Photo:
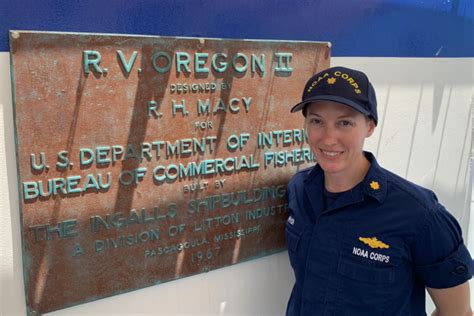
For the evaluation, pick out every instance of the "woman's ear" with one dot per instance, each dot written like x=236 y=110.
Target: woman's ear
x=371 y=127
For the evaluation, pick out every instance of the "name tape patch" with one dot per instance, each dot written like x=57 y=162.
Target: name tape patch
x=291 y=220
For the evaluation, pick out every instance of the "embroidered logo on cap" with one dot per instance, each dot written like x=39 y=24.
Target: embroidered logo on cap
x=374 y=185
x=350 y=80
x=315 y=82
x=331 y=80
x=373 y=242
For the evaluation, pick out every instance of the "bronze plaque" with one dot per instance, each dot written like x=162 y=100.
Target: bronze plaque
x=146 y=159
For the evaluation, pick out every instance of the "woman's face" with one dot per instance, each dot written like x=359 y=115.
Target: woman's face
x=336 y=135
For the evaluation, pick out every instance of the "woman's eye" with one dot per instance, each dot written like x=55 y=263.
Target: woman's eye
x=345 y=123
x=315 y=121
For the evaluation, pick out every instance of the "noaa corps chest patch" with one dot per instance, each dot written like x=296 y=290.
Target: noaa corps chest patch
x=373 y=243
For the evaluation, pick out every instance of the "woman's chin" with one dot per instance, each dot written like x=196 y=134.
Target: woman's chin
x=330 y=167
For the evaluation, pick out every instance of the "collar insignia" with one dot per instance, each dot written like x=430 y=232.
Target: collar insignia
x=373 y=242
x=374 y=185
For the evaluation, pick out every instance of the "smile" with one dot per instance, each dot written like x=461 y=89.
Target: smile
x=331 y=153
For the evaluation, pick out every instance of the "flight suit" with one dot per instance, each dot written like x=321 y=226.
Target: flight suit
x=373 y=250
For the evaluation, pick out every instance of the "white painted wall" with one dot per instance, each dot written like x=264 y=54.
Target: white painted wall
x=424 y=134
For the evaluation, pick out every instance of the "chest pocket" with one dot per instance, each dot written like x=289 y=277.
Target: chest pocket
x=297 y=247
x=292 y=238
x=365 y=285
x=364 y=273
x=368 y=266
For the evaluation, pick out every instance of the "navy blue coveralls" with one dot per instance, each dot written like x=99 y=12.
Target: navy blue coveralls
x=373 y=250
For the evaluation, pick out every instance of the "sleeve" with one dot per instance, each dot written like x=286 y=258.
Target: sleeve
x=441 y=259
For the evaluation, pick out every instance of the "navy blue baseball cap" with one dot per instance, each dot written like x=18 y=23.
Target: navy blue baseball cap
x=344 y=85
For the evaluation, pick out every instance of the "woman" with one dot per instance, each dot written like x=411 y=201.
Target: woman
x=362 y=240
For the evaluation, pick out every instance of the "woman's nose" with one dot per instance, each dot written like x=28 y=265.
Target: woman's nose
x=329 y=136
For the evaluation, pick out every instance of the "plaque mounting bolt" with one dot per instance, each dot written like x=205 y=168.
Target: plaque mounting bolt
x=329 y=44
x=15 y=35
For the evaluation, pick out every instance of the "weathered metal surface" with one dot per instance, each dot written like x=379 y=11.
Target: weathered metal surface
x=146 y=159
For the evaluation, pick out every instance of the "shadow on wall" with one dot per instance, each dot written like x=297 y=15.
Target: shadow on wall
x=441 y=85
x=11 y=278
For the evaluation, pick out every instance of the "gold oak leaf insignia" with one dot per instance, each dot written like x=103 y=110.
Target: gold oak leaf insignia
x=374 y=185
x=331 y=80
x=374 y=242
